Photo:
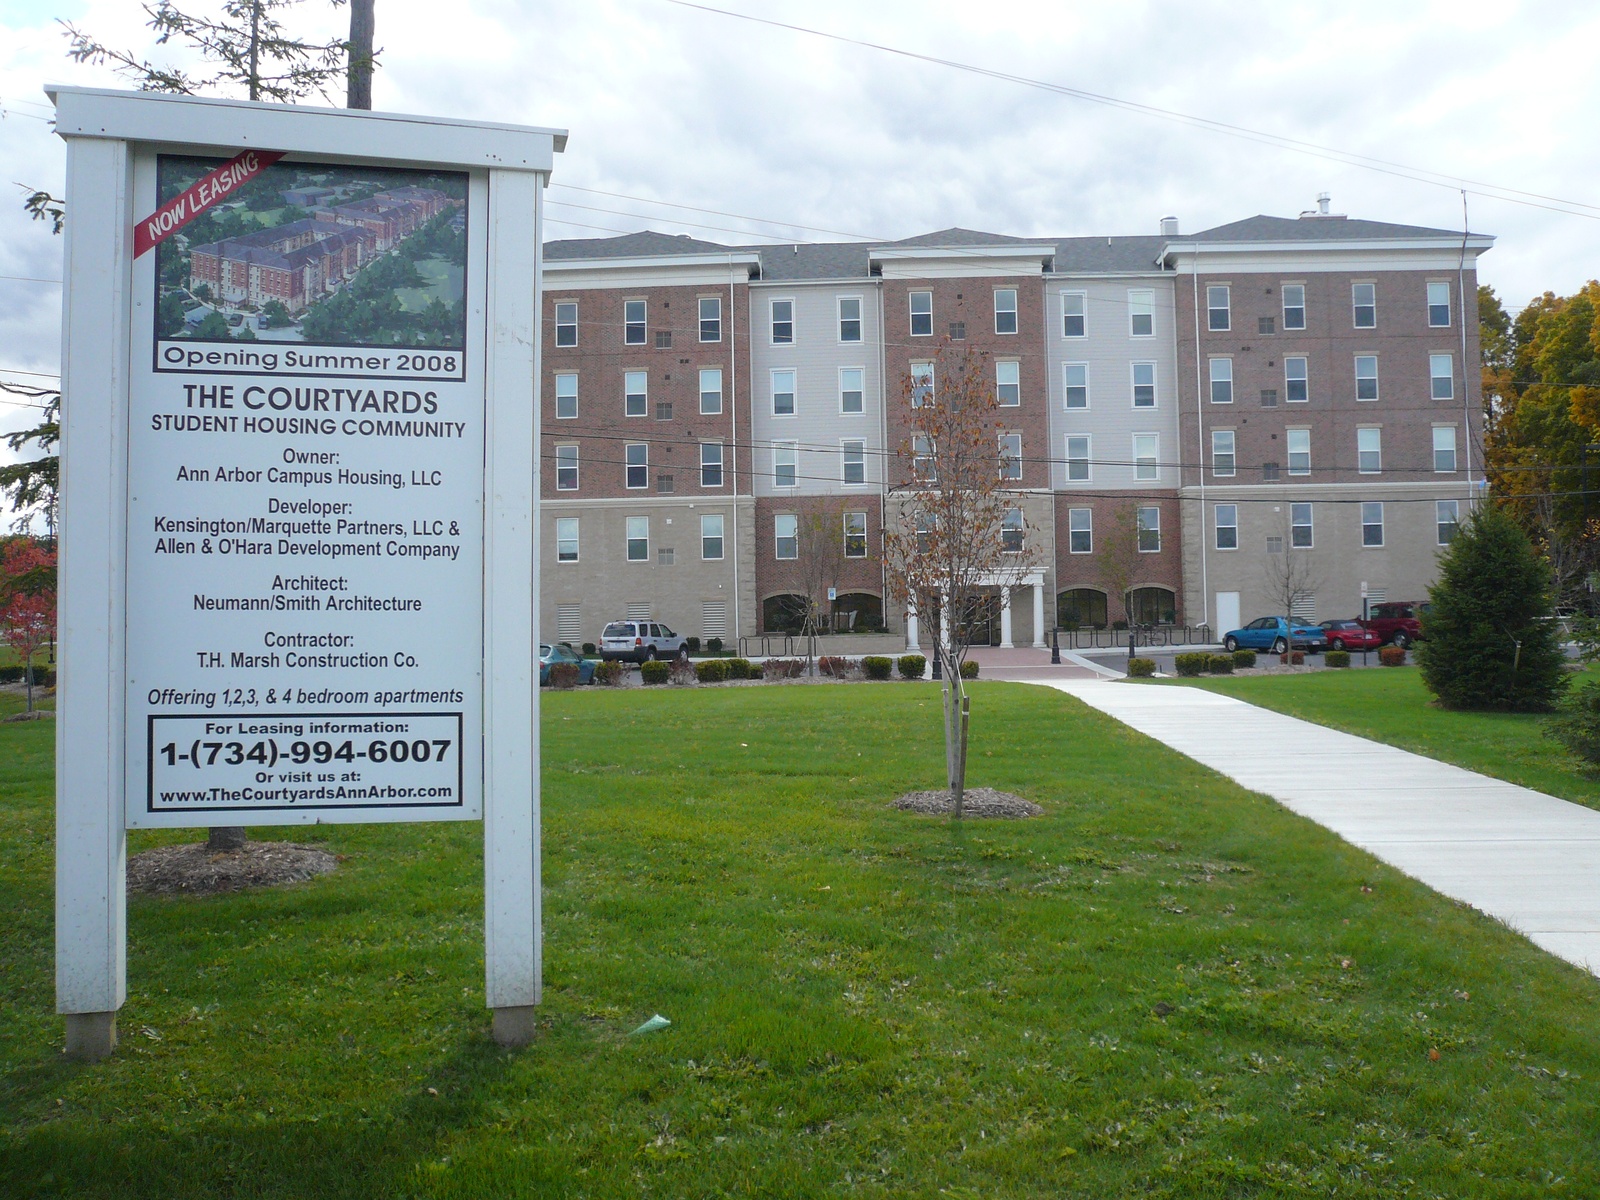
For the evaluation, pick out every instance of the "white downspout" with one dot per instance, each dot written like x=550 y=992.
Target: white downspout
x=1466 y=387
x=733 y=442
x=1200 y=433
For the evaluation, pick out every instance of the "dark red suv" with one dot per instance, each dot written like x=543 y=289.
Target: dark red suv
x=1397 y=621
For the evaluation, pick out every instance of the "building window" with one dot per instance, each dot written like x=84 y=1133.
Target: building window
x=1300 y=526
x=1269 y=397
x=566 y=539
x=1296 y=381
x=1366 y=377
x=1144 y=385
x=786 y=535
x=1294 y=306
x=1080 y=530
x=1447 y=518
x=1371 y=524
x=1005 y=310
x=567 y=324
x=1266 y=325
x=1074 y=316
x=1439 y=307
x=638 y=539
x=1369 y=450
x=710 y=391
x=923 y=467
x=921 y=314
x=1141 y=313
x=633 y=331
x=1077 y=459
x=785 y=465
x=1010 y=456
x=1274 y=543
x=1364 y=305
x=1012 y=531
x=783 y=393
x=710 y=318
x=1269 y=472
x=1144 y=455
x=1227 y=522
x=663 y=339
x=636 y=393
x=566 y=396
x=854 y=453
x=711 y=538
x=1008 y=384
x=566 y=468
x=782 y=322
x=711 y=464
x=921 y=383
x=1222 y=381
x=1441 y=370
x=1444 y=447
x=855 y=535
x=1222 y=458
x=638 y=464
x=1075 y=378
x=852 y=388
x=1218 y=315
x=849 y=318
x=1149 y=524
x=1299 y=444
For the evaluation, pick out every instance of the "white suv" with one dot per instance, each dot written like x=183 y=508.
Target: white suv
x=640 y=641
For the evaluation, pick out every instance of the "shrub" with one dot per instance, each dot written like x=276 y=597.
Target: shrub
x=877 y=666
x=836 y=667
x=1219 y=664
x=681 y=672
x=969 y=669
x=911 y=666
x=588 y=649
x=783 y=668
x=1243 y=660
x=610 y=673
x=1337 y=658
x=1141 y=668
x=654 y=672
x=712 y=670
x=10 y=674
x=693 y=643
x=564 y=675
x=1392 y=656
x=1576 y=724
x=1190 y=665
x=1485 y=645
x=739 y=668
x=714 y=645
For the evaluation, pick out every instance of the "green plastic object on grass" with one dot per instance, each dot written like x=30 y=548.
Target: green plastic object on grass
x=654 y=1023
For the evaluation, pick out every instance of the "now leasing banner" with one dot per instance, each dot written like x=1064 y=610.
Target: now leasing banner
x=305 y=495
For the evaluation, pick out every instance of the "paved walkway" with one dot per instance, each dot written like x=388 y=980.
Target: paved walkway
x=1527 y=859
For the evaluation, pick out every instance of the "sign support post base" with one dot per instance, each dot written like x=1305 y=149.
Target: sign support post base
x=91 y=1036
x=517 y=1026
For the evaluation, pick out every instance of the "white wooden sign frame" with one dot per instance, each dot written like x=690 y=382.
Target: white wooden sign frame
x=103 y=131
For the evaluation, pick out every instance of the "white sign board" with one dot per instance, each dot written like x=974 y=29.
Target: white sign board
x=305 y=484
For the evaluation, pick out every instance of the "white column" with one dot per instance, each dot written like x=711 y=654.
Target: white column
x=1038 y=615
x=1005 y=618
x=911 y=629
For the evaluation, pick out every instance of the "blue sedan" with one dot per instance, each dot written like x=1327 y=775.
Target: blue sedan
x=1274 y=634
x=549 y=656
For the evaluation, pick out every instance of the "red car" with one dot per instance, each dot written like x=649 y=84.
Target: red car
x=1397 y=621
x=1351 y=635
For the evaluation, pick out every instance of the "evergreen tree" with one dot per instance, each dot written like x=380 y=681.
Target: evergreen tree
x=1485 y=644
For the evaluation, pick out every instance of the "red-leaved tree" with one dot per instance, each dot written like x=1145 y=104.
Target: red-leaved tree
x=27 y=600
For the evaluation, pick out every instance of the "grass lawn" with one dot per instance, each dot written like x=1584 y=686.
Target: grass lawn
x=1391 y=705
x=1164 y=987
x=444 y=283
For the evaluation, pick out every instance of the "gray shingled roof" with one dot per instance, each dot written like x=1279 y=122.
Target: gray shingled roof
x=1093 y=255
x=645 y=244
x=1312 y=229
x=957 y=236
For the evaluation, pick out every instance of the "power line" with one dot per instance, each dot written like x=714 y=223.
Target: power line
x=716 y=212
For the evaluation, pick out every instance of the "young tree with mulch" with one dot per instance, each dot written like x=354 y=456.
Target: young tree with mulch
x=1486 y=642
x=955 y=530
x=27 y=601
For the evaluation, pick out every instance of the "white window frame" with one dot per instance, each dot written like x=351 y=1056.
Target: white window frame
x=715 y=319
x=1011 y=456
x=912 y=314
x=567 y=463
x=1231 y=524
x=629 y=466
x=707 y=410
x=1134 y=384
x=1291 y=437
x=1000 y=312
x=773 y=320
x=1213 y=290
x=1080 y=520
x=1368 y=507
x=1141 y=303
x=1083 y=462
x=1448 y=361
x=1290 y=379
x=708 y=521
x=566 y=534
x=1147 y=467
x=1004 y=367
x=1067 y=386
x=1440 y=524
x=922 y=392
x=1082 y=314
x=846 y=521
x=924 y=459
x=563 y=325
x=1356 y=306
x=1296 y=525
x=633 y=524
x=1220 y=371
x=566 y=389
x=629 y=324
x=1224 y=445
x=1284 y=290
x=1377 y=390
x=786 y=454
x=1433 y=289
x=1143 y=525
x=859 y=319
x=1377 y=449
x=1013 y=532
x=792 y=378
x=1450 y=432
x=779 y=537
x=860 y=461
x=628 y=378
x=845 y=390
x=709 y=463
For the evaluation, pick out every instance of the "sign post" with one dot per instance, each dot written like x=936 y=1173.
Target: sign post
x=299 y=535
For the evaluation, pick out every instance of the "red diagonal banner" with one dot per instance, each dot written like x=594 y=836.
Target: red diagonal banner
x=214 y=188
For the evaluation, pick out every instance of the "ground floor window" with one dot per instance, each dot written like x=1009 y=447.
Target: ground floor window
x=1153 y=606
x=783 y=614
x=857 y=612
x=1080 y=608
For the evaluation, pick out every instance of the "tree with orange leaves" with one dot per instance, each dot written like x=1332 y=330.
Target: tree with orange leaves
x=27 y=601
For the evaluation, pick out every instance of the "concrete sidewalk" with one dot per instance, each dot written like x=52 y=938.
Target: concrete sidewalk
x=1527 y=859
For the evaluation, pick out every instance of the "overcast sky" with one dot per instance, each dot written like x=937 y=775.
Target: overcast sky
x=668 y=103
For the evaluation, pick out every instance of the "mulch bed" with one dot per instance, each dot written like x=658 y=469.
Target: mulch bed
x=195 y=870
x=975 y=802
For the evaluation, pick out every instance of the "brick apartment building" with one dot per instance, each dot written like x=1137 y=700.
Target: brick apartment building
x=1182 y=410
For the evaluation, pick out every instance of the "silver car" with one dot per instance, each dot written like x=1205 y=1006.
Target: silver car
x=640 y=641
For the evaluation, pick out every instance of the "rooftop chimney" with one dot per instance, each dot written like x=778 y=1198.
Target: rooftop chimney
x=1323 y=199
x=1169 y=226
x=1321 y=210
